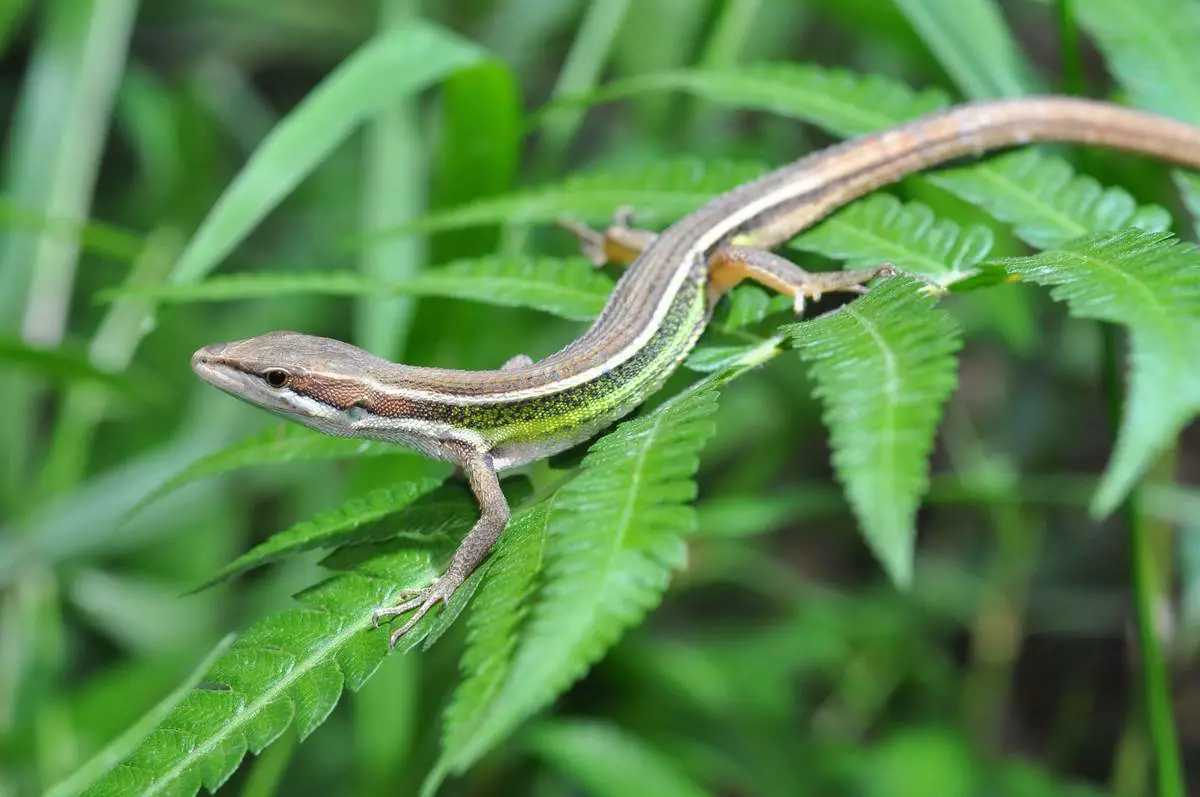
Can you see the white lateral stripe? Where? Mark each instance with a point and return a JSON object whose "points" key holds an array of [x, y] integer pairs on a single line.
{"points": [[730, 222]]}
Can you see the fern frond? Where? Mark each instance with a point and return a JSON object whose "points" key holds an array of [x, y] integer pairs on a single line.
{"points": [[274, 446], [1150, 283], [881, 229], [1045, 199], [884, 366], [614, 534], [289, 668], [360, 516], [567, 287], [1151, 49], [842, 102], [500, 607], [657, 191], [973, 44]]}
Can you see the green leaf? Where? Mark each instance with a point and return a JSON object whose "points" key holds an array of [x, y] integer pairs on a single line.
{"points": [[1151, 48], [884, 366], [881, 229], [1150, 283], [661, 190], [360, 516], [615, 532], [274, 446], [973, 45], [499, 609], [389, 66], [288, 668], [842, 102], [568, 287], [113, 752], [608, 761], [1046, 201]]}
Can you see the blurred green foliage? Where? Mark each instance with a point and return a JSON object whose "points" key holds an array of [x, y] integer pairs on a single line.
{"points": [[144, 151]]}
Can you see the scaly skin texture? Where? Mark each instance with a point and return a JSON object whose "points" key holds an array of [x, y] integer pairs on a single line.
{"points": [[488, 420]]}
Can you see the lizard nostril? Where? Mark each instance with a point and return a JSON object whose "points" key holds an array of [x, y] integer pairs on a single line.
{"points": [[204, 356]]}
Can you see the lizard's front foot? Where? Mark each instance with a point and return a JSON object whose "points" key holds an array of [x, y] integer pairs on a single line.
{"points": [[422, 600]]}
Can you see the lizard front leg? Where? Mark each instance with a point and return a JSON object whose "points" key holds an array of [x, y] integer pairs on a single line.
{"points": [[474, 548]]}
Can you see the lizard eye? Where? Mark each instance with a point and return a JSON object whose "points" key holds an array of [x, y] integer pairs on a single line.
{"points": [[276, 377]]}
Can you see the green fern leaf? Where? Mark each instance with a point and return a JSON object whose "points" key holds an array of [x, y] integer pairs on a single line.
{"points": [[568, 287], [1049, 204], [614, 534], [658, 191], [1151, 48], [1150, 283], [274, 446], [499, 609], [288, 668], [884, 366], [844, 103], [973, 44], [881, 229], [362, 517]]}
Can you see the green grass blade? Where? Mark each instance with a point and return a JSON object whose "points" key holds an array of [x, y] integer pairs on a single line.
{"points": [[884, 367], [67, 366], [390, 66], [1149, 283], [394, 190], [973, 44]]}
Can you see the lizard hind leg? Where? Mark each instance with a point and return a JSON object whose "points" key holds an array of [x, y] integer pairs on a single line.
{"points": [[619, 243], [732, 264]]}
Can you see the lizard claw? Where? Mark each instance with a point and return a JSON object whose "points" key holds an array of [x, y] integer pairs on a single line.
{"points": [[422, 600]]}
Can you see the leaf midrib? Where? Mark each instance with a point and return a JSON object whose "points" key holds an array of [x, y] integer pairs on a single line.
{"points": [[252, 709]]}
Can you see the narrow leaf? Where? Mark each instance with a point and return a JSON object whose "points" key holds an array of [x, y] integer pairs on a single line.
{"points": [[884, 366], [881, 229], [391, 65], [1149, 283], [608, 761], [360, 516], [841, 102], [973, 44], [658, 191], [615, 532], [568, 287], [1046, 201], [274, 446]]}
